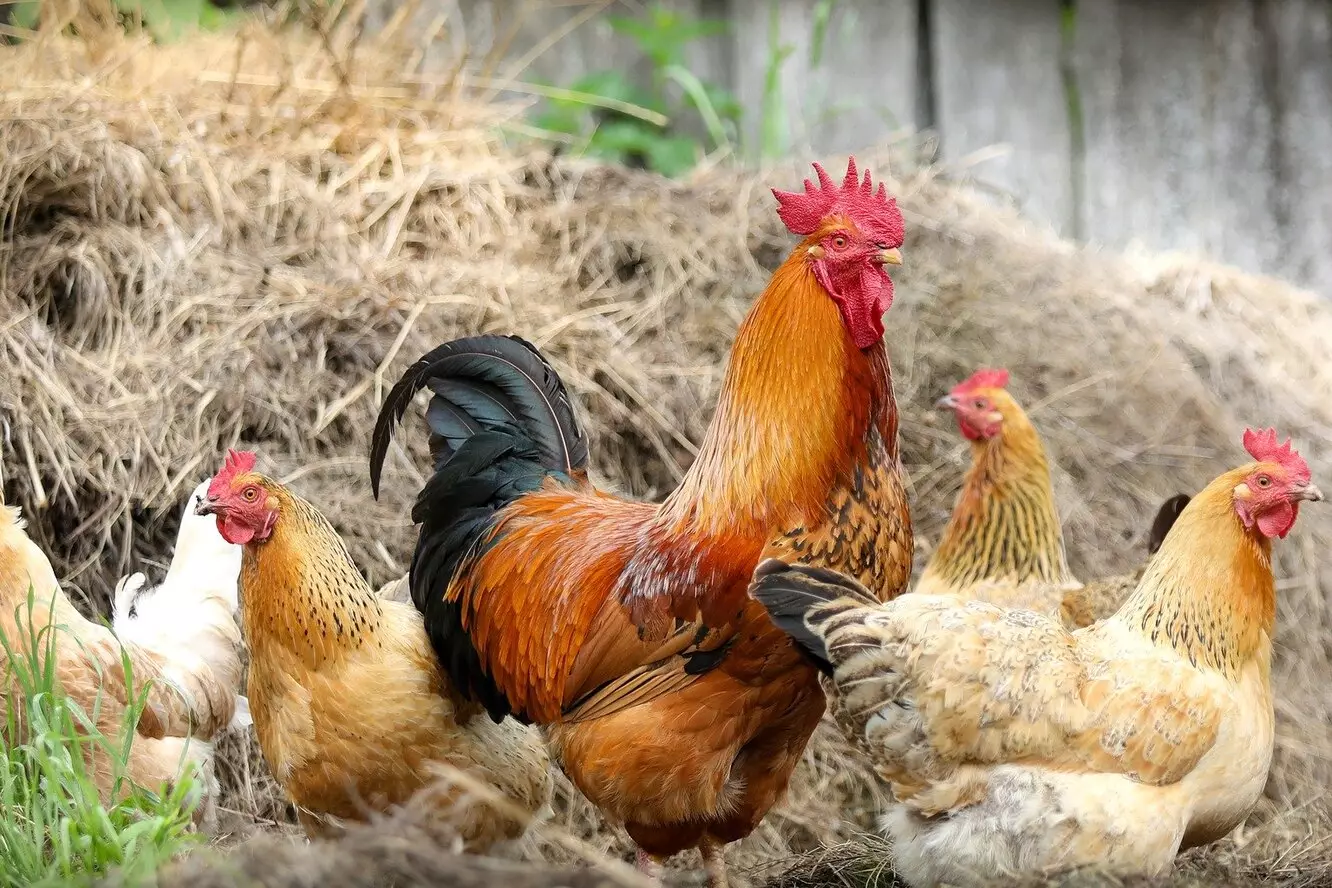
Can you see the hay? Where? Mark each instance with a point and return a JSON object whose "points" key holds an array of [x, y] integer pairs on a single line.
{"points": [[243, 242], [1291, 850]]}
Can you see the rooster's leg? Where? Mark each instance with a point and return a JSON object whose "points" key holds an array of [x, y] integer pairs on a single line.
{"points": [[714, 861], [648, 864]]}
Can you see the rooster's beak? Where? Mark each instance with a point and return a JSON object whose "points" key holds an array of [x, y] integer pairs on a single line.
{"points": [[947, 402], [1308, 492], [206, 507], [890, 257]]}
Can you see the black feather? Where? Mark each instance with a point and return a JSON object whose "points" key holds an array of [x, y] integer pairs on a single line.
{"points": [[790, 591], [492, 379], [699, 662], [500, 424], [1166, 517]]}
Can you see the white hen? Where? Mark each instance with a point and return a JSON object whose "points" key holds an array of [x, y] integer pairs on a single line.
{"points": [[183, 707], [190, 618]]}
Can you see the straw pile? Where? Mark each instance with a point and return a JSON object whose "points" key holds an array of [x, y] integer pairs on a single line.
{"points": [[243, 242]]}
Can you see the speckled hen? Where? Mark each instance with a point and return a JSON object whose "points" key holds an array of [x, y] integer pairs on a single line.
{"points": [[1003, 543], [352, 710]]}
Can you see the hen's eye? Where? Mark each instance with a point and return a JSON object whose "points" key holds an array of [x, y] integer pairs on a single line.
{"points": [[250, 494], [980, 405], [1264, 481], [839, 242]]}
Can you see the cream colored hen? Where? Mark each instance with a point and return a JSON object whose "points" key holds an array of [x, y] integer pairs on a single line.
{"points": [[1016, 748], [180, 702]]}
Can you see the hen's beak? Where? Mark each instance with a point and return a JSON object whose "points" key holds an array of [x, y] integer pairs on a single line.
{"points": [[890, 257], [206, 507], [947, 402], [1308, 492]]}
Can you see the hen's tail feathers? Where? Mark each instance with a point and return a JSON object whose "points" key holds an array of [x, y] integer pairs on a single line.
{"points": [[122, 603], [802, 600], [500, 424], [485, 383], [1166, 517]]}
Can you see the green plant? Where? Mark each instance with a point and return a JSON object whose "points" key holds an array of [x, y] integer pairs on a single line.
{"points": [[55, 829], [165, 20], [647, 131], [774, 125]]}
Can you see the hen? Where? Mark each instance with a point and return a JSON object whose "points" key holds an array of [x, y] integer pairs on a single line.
{"points": [[1015, 748], [1004, 543], [186, 702], [190, 620], [673, 703], [352, 710], [191, 615]]}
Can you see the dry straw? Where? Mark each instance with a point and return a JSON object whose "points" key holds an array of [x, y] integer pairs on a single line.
{"points": [[243, 241]]}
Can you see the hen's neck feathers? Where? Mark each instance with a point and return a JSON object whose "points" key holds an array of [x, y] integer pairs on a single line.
{"points": [[203, 565], [301, 590], [796, 405], [1005, 525], [1209, 591]]}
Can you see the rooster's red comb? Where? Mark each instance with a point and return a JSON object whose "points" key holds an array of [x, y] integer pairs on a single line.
{"points": [[238, 462], [1262, 446], [983, 378], [874, 212]]}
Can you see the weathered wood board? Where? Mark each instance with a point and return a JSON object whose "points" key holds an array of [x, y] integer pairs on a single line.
{"points": [[1198, 126], [997, 80]]}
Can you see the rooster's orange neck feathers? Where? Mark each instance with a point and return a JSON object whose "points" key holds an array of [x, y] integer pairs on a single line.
{"points": [[796, 405], [1005, 525], [1209, 592]]}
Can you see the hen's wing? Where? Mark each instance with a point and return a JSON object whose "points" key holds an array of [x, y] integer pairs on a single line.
{"points": [[177, 702], [931, 685]]}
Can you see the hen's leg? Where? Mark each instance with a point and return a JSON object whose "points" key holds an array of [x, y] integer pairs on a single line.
{"points": [[648, 864], [714, 861]]}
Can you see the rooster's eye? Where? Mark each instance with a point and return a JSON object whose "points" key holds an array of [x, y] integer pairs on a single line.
{"points": [[979, 405], [1264, 481], [839, 242], [250, 494]]}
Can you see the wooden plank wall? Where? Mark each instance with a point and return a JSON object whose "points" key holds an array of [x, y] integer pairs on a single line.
{"points": [[1203, 125]]}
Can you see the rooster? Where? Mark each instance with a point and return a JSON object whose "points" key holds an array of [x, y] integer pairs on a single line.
{"points": [[673, 703], [186, 701], [1013, 747], [352, 710], [1004, 543]]}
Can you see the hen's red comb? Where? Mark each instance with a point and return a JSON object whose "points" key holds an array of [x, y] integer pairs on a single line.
{"points": [[983, 378], [238, 462], [1262, 446], [874, 212]]}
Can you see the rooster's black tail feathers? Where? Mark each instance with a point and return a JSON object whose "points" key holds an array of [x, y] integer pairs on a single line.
{"points": [[495, 383], [500, 424]]}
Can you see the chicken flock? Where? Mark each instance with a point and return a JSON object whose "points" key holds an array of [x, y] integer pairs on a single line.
{"points": [[674, 659]]}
